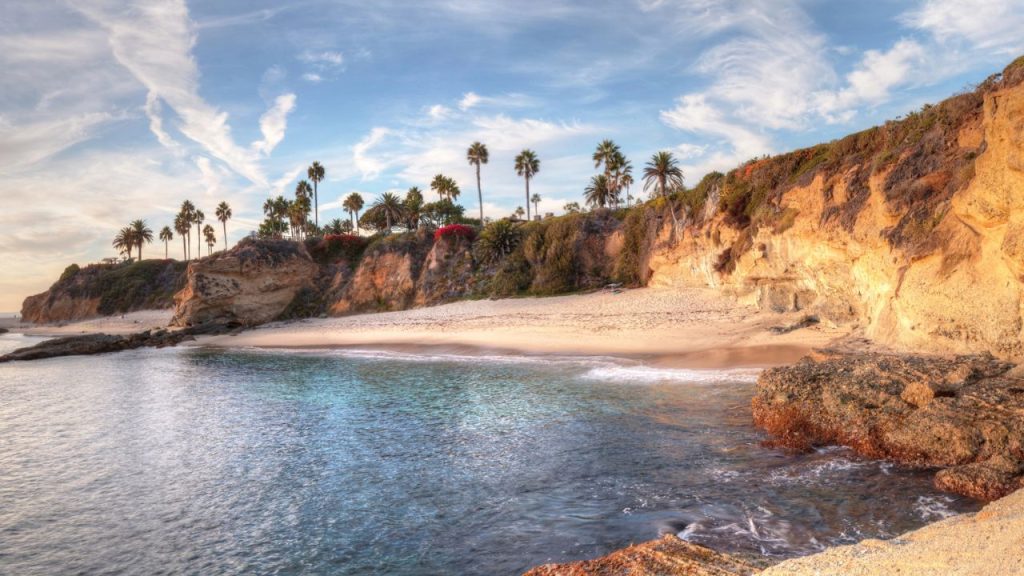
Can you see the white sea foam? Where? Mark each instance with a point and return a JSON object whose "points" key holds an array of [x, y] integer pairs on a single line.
{"points": [[931, 508], [640, 373]]}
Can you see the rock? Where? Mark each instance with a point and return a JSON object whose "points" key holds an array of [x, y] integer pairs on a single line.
{"points": [[250, 284], [4, 330], [386, 276], [669, 555], [448, 272], [804, 322], [964, 414], [89, 344]]}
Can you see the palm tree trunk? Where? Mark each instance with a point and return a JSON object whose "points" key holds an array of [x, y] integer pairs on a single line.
{"points": [[316, 206], [527, 198], [199, 242], [225, 235], [165, 249], [480, 194], [140, 250], [184, 248], [671, 210], [387, 218]]}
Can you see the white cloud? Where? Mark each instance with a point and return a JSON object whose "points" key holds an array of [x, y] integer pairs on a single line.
{"points": [[156, 124], [154, 42], [312, 78], [369, 166], [274, 123], [25, 144], [211, 178], [469, 100], [686, 151], [437, 112], [326, 58], [993, 26], [872, 80]]}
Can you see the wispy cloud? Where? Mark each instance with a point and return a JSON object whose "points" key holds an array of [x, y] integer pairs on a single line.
{"points": [[274, 123]]}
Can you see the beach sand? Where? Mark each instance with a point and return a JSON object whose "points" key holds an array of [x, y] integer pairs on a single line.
{"points": [[121, 324], [694, 328]]}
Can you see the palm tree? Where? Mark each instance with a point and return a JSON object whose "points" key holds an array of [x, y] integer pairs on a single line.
{"points": [[391, 205], [597, 193], [224, 214], [527, 166], [519, 212], [303, 190], [626, 179], [182, 226], [663, 170], [536, 200], [124, 241], [316, 174], [197, 219], [166, 235], [188, 213], [605, 154], [211, 238], [477, 155], [142, 234], [413, 204], [441, 184], [353, 204]]}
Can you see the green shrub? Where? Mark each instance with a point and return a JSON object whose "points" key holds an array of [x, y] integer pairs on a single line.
{"points": [[68, 273], [630, 263]]}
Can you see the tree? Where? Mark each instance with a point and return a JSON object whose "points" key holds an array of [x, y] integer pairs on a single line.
{"points": [[197, 218], [597, 193], [338, 226], [188, 213], [572, 207], [316, 174], [211, 238], [536, 200], [141, 234], [413, 204], [182, 225], [124, 241], [303, 190], [519, 212], [663, 171], [224, 214], [391, 207], [626, 179], [166, 236], [477, 154], [527, 166], [353, 204]]}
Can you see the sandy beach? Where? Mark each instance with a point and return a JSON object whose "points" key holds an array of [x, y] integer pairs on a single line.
{"points": [[120, 324], [695, 328]]}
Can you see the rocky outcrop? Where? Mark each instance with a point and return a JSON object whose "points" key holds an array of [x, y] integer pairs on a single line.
{"points": [[106, 289], [963, 414], [386, 277], [669, 555], [89, 344], [447, 274], [250, 284], [913, 230]]}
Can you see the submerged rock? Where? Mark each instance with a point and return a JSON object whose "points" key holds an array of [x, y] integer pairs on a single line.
{"points": [[964, 414], [89, 344], [669, 555]]}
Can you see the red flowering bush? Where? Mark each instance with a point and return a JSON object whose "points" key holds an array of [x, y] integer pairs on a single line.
{"points": [[454, 231], [334, 246]]}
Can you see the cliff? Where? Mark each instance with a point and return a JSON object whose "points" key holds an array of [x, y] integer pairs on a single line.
{"points": [[913, 230], [106, 289]]}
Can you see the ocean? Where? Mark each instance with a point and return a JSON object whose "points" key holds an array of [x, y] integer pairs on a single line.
{"points": [[194, 461]]}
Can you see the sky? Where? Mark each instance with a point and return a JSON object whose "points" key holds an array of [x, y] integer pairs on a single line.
{"points": [[112, 110]]}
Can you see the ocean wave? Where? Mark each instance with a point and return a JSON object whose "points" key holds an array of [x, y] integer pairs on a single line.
{"points": [[931, 508], [655, 374]]}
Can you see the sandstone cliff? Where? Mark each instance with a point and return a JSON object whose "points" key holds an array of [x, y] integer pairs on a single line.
{"points": [[252, 283], [914, 230], [106, 289]]}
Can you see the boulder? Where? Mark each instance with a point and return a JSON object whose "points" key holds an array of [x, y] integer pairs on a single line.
{"points": [[669, 555], [250, 284], [964, 414]]}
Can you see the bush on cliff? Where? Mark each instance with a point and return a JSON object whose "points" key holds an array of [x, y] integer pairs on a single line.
{"points": [[452, 231], [334, 247], [630, 265]]}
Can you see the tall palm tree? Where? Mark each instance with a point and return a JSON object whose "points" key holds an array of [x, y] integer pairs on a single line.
{"points": [[197, 218], [353, 204], [211, 238], [188, 212], [391, 205], [536, 200], [142, 234], [519, 212], [626, 179], [413, 207], [662, 170], [124, 241], [605, 154], [316, 174], [303, 190], [224, 214], [182, 225], [527, 166], [166, 236], [440, 185], [597, 193], [477, 155]]}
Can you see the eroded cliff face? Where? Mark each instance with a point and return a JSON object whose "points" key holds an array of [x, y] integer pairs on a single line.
{"points": [[916, 233], [250, 284], [106, 289]]}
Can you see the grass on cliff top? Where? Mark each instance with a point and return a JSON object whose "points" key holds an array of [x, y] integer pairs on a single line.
{"points": [[124, 287]]}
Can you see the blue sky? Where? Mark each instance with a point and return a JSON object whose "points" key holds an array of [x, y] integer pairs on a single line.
{"points": [[112, 110]]}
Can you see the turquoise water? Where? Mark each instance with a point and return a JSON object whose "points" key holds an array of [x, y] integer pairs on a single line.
{"points": [[185, 461]]}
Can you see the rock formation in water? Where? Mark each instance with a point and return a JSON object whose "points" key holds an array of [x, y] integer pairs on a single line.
{"points": [[250, 284], [963, 414], [89, 344], [106, 289], [663, 557]]}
